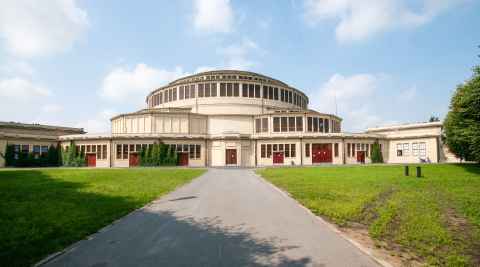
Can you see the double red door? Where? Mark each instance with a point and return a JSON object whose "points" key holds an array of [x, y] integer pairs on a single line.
{"points": [[277, 157], [231, 157], [183, 159], [361, 156], [133, 160], [91, 160], [322, 153]]}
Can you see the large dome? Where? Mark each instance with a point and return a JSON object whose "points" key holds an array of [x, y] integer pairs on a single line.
{"points": [[228, 92]]}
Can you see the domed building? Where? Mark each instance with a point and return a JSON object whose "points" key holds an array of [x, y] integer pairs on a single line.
{"points": [[245, 119]]}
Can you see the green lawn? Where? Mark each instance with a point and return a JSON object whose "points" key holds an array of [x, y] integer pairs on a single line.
{"points": [[437, 216], [45, 210]]}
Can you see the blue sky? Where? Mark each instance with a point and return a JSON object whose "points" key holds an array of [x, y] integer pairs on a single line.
{"points": [[78, 63]]}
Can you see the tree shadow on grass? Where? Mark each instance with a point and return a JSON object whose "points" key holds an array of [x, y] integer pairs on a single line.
{"points": [[40, 215], [470, 167]]}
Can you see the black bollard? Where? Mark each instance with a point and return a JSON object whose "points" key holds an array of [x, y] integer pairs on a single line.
{"points": [[419, 171], [406, 171]]}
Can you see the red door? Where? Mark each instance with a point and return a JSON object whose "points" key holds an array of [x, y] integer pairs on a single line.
{"points": [[361, 156], [322, 153], [91, 160], [133, 160], [231, 156], [182, 159], [277, 157]]}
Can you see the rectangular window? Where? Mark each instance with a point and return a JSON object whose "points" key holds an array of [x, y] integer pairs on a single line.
{"points": [[170, 95], [422, 149], [315, 124], [307, 150], [245, 90], [353, 150], [36, 150], [119, 151], [132, 148], [191, 152], [275, 147], [282, 95], [223, 89], [294, 98], [291, 124], [335, 149], [258, 125], [415, 149], [192, 91], [198, 150], [265, 91], [327, 126], [309, 124], [367, 152], [320, 125], [270, 92], [236, 89], [213, 89], [125, 151], [179, 148], [187, 92], [293, 150], [262, 150], [276, 124], [269, 150], [348, 150], [251, 90], [229, 89], [280, 147], [399, 150], [200, 90], [207, 90], [265, 125], [138, 147], [283, 125], [185, 148], [299, 124], [99, 151], [165, 94], [174, 93], [406, 149], [287, 150], [94, 148], [275, 93], [257, 91]]}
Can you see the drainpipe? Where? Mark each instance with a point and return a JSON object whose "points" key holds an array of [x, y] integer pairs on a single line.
{"points": [[301, 151]]}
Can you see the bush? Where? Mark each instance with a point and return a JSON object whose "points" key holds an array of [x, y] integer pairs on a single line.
{"points": [[377, 156], [158, 155], [72, 158]]}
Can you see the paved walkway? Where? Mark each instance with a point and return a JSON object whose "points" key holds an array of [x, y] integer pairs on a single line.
{"points": [[227, 217]]}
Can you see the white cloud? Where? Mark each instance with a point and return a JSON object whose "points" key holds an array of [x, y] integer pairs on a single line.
{"points": [[122, 84], [409, 94], [237, 56], [359, 20], [37, 28], [204, 68], [52, 108], [352, 97], [100, 123], [213, 16], [19, 89]]}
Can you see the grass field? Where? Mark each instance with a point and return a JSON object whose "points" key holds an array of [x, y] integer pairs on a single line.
{"points": [[437, 217], [45, 210]]}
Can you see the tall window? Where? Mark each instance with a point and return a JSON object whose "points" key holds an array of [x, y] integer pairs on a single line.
{"points": [[223, 89], [287, 150], [125, 151], [367, 150], [245, 90], [257, 91], [262, 151], [348, 150], [264, 125], [200, 90], [119, 151], [213, 89], [276, 124], [229, 89], [207, 90], [251, 90], [270, 92], [236, 89], [315, 124], [198, 149], [299, 124], [353, 150], [290, 97], [283, 124], [282, 95], [192, 91], [265, 91], [187, 93], [335, 149], [291, 124], [293, 150], [309, 124], [181, 93], [269, 150], [275, 93], [258, 125], [307, 150], [320, 125], [327, 126]]}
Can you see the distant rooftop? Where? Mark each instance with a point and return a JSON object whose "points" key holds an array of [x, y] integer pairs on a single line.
{"points": [[405, 126], [38, 126]]}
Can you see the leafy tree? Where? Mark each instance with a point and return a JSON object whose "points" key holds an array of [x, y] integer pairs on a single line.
{"points": [[10, 156], [52, 156], [462, 124], [377, 156]]}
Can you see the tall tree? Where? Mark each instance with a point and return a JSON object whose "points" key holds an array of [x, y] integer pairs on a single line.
{"points": [[462, 124]]}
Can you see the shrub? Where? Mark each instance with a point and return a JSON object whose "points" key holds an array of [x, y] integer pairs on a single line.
{"points": [[377, 156]]}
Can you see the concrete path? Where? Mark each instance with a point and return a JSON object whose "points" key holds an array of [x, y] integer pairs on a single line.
{"points": [[227, 217]]}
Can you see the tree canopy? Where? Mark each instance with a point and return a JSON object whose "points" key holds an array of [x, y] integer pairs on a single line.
{"points": [[462, 124]]}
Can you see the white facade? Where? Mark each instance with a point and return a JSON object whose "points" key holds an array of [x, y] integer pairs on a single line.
{"points": [[244, 119]]}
